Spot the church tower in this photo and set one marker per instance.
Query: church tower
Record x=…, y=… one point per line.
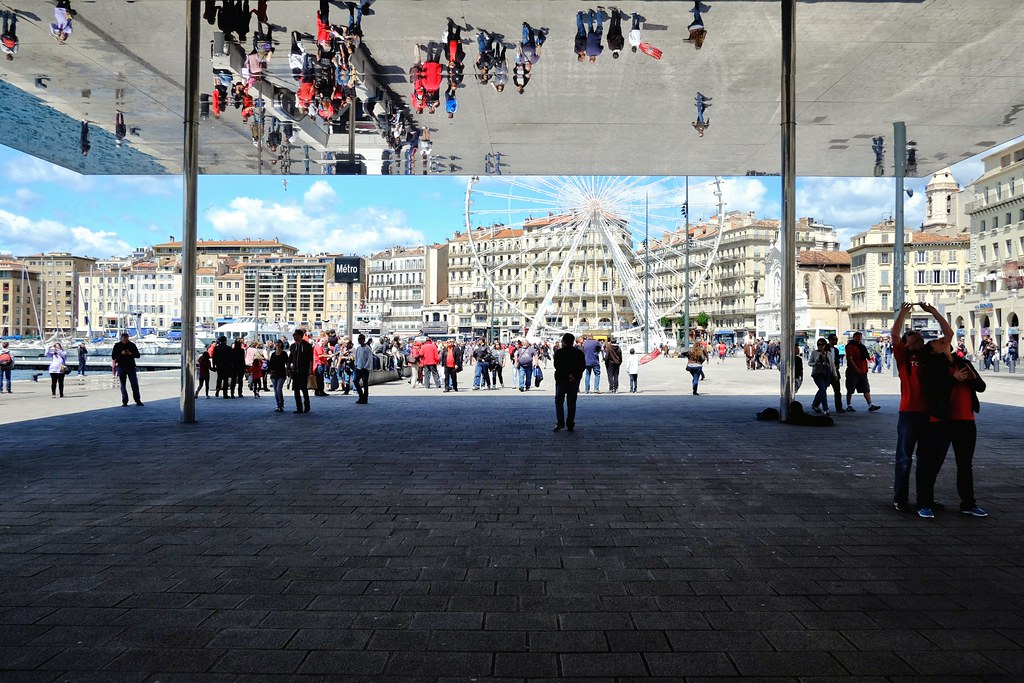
x=942, y=201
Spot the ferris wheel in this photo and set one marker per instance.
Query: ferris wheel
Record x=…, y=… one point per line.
x=594, y=254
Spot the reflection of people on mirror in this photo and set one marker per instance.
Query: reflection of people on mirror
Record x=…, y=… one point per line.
x=83, y=140
x=120, y=129
x=616, y=41
x=701, y=124
x=533, y=42
x=61, y=28
x=697, y=31
x=9, y=38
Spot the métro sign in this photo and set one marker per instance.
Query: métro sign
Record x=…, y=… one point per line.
x=348, y=269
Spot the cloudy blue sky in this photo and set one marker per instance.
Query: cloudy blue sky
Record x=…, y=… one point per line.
x=48, y=208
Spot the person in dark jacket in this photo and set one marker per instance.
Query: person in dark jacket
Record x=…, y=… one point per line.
x=124, y=354
x=451, y=361
x=301, y=359
x=569, y=366
x=238, y=366
x=952, y=385
x=612, y=362
x=277, y=368
x=222, y=366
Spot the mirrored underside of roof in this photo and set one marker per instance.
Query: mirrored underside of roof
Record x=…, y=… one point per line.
x=950, y=69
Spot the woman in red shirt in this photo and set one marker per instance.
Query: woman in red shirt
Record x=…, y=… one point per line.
x=951, y=384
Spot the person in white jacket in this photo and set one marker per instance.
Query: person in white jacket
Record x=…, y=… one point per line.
x=58, y=361
x=632, y=369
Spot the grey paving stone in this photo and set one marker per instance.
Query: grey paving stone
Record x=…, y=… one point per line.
x=598, y=664
x=679, y=665
x=453, y=664
x=344, y=663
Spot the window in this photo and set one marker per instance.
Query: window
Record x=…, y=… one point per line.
x=983, y=226
x=984, y=254
x=936, y=277
x=1009, y=218
x=885, y=302
x=885, y=277
x=995, y=252
x=995, y=222
x=951, y=275
x=920, y=256
x=919, y=276
x=1009, y=248
x=884, y=259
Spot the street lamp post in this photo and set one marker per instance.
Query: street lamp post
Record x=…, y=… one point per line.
x=686, y=303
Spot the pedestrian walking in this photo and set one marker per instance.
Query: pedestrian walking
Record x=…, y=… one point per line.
x=124, y=354
x=616, y=41
x=570, y=364
x=822, y=365
x=6, y=366
x=277, y=368
x=696, y=28
x=364, y=363
x=695, y=359
x=592, y=354
x=203, y=365
x=83, y=138
x=83, y=355
x=612, y=363
x=633, y=370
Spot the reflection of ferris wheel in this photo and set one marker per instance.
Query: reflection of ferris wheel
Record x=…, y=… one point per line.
x=604, y=255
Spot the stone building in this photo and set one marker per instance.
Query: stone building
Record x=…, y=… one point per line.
x=20, y=306
x=58, y=280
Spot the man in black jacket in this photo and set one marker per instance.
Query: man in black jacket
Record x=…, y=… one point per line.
x=222, y=366
x=124, y=354
x=301, y=357
x=612, y=363
x=569, y=366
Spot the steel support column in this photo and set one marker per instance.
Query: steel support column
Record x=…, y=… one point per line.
x=899, y=271
x=190, y=168
x=787, y=229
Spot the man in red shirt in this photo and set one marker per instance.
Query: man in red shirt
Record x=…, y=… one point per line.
x=857, y=373
x=429, y=358
x=908, y=352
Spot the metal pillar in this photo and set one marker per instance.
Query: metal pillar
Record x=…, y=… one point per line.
x=686, y=304
x=190, y=168
x=787, y=229
x=349, y=311
x=647, y=281
x=256, y=304
x=899, y=271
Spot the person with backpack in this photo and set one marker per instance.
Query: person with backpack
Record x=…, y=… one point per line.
x=6, y=366
x=484, y=358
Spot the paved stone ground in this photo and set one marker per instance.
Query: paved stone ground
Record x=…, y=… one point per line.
x=455, y=537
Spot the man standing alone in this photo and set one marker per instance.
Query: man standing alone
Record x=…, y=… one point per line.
x=124, y=354
x=569, y=366
x=857, y=373
x=364, y=362
x=301, y=358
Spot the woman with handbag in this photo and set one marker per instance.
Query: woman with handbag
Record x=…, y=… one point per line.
x=58, y=368
x=695, y=359
x=822, y=364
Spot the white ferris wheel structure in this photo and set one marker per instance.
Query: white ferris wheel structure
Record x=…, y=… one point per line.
x=602, y=255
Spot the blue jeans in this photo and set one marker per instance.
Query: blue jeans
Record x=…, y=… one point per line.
x=481, y=375
x=824, y=383
x=581, y=29
x=524, y=375
x=133, y=377
x=596, y=369
x=278, y=383
x=81, y=366
x=565, y=397
x=632, y=384
x=5, y=374
x=910, y=431
x=695, y=371
x=481, y=41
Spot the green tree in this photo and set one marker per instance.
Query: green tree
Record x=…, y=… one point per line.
x=703, y=319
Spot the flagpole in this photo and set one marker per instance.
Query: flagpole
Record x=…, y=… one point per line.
x=647, y=277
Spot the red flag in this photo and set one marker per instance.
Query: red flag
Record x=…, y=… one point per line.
x=648, y=357
x=649, y=49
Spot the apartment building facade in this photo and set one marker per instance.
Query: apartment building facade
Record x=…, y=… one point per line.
x=58, y=280
x=991, y=306
x=20, y=306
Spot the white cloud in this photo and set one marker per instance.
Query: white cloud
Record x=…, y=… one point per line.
x=320, y=197
x=312, y=228
x=21, y=199
x=24, y=235
x=27, y=170
x=853, y=205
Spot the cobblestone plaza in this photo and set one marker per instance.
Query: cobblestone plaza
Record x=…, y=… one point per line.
x=455, y=537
